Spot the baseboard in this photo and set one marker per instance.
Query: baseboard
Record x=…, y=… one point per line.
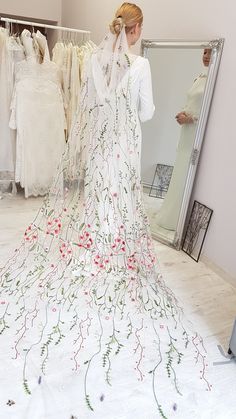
x=219, y=271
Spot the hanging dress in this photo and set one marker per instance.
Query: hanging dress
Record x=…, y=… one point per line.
x=6, y=135
x=38, y=117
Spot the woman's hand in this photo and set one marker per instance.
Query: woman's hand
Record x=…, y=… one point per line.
x=184, y=118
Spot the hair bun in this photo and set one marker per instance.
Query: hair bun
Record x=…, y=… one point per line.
x=117, y=25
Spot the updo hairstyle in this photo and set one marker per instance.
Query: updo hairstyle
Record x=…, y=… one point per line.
x=127, y=15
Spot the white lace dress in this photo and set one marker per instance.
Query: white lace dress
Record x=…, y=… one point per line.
x=38, y=117
x=6, y=138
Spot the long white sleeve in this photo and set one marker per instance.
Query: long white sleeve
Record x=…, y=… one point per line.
x=146, y=105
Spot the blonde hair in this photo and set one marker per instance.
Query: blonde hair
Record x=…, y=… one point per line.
x=127, y=15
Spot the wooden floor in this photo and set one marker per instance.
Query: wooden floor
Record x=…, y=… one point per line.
x=208, y=301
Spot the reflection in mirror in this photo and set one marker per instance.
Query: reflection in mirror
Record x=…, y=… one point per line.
x=171, y=141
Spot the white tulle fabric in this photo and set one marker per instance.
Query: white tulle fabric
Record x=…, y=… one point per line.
x=90, y=322
x=110, y=63
x=6, y=137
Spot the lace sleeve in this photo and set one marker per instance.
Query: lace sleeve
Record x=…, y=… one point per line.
x=146, y=105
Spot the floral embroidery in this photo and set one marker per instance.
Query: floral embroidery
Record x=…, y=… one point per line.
x=10, y=403
x=88, y=261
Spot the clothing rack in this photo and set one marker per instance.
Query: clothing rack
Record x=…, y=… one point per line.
x=42, y=25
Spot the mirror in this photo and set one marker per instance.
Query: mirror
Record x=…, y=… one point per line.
x=183, y=75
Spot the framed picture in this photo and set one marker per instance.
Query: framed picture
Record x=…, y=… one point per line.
x=161, y=181
x=196, y=230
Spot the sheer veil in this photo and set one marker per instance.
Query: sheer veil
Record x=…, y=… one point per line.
x=88, y=259
x=110, y=63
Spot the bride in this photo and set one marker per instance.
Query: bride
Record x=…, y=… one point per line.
x=88, y=327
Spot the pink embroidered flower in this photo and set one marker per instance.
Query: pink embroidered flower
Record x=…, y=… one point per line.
x=54, y=226
x=54, y=309
x=65, y=250
x=85, y=239
x=115, y=195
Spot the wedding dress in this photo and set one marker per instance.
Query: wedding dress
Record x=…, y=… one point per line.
x=88, y=327
x=168, y=215
x=70, y=59
x=6, y=137
x=36, y=101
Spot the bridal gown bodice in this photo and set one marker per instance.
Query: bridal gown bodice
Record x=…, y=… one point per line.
x=37, y=99
x=195, y=95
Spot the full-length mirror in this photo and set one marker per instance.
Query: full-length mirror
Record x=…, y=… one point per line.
x=184, y=75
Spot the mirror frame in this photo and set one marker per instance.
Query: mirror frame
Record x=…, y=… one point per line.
x=216, y=46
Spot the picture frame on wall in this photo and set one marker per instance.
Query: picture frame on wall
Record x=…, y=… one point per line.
x=196, y=230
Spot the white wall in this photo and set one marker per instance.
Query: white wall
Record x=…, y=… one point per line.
x=38, y=9
x=191, y=19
